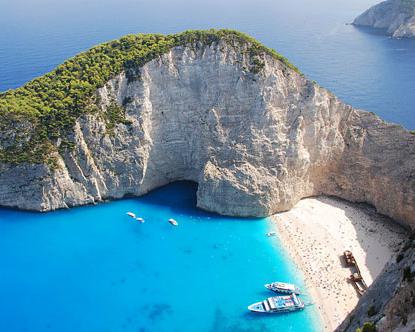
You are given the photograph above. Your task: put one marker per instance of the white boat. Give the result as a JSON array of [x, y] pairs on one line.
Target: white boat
[[277, 304], [282, 287], [271, 233], [132, 215], [140, 220], [173, 222]]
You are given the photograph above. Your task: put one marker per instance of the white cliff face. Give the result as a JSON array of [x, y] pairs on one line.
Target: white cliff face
[[254, 143], [391, 15]]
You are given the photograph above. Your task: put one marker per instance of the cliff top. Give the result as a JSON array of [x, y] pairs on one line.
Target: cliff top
[[51, 103]]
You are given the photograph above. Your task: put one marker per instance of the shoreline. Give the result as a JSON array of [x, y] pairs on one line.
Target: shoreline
[[311, 290], [317, 231]]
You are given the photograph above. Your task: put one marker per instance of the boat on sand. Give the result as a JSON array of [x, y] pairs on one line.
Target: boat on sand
[[356, 277], [349, 258], [278, 304]]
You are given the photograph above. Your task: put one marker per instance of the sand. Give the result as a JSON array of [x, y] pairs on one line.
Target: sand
[[317, 231]]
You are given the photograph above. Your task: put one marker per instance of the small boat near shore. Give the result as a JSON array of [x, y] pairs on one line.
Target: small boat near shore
[[132, 215], [173, 222], [278, 304], [141, 220], [283, 287], [271, 233]]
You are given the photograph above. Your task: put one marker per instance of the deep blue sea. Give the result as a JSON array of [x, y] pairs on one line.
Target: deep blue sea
[[363, 67], [93, 269]]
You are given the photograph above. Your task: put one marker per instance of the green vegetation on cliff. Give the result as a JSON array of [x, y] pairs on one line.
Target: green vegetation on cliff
[[367, 327], [47, 107]]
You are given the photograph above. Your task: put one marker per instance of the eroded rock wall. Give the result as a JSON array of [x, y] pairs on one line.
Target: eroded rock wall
[[390, 301], [394, 16], [255, 142]]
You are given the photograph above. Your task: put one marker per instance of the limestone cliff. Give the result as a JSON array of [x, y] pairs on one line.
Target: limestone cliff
[[396, 17], [389, 303], [255, 135]]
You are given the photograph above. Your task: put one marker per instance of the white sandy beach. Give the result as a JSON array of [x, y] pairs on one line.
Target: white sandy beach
[[317, 231]]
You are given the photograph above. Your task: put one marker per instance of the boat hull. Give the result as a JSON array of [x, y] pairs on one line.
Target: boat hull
[[282, 290], [278, 304], [253, 309]]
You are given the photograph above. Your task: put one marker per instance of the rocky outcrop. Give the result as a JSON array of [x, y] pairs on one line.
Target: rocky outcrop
[[255, 135], [396, 17], [255, 141], [390, 301]]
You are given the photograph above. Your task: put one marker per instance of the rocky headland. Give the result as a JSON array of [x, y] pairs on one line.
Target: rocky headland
[[217, 109], [214, 107], [396, 17]]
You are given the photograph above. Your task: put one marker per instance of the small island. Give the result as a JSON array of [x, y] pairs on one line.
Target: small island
[[396, 17]]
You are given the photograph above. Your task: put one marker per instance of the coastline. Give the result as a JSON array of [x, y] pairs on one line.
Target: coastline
[[315, 234]]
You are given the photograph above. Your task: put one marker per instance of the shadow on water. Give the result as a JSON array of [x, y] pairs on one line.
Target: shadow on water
[[221, 323], [159, 311], [372, 31], [405, 46], [166, 196]]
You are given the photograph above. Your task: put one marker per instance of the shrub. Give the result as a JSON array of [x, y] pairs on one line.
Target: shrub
[[54, 101], [367, 327], [114, 114]]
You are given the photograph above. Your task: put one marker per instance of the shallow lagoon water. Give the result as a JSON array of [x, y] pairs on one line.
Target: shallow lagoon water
[[96, 269]]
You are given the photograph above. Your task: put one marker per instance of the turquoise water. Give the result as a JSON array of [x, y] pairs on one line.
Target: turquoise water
[[95, 269]]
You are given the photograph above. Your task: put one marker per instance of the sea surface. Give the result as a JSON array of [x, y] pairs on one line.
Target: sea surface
[[362, 66], [94, 269]]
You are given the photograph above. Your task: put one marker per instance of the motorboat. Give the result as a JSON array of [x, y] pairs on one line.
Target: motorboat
[[283, 287], [173, 222], [132, 215], [278, 304]]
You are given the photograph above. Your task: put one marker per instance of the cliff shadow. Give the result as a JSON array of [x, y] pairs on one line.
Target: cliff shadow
[[372, 31], [181, 196], [377, 235]]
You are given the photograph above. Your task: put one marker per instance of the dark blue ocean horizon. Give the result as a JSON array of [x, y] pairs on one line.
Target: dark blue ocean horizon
[[364, 67]]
